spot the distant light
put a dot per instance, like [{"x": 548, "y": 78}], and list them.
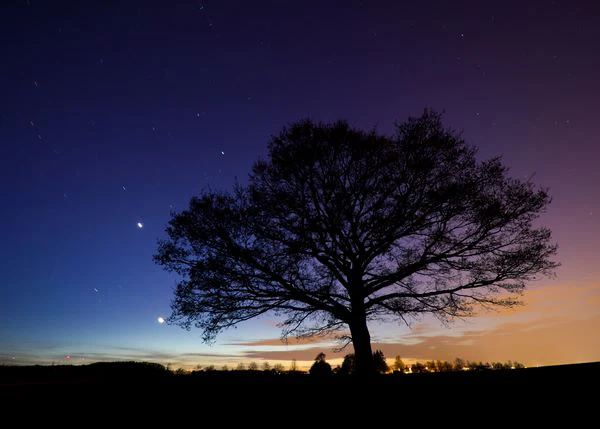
[
  {"x": 140, "y": 225},
  {"x": 222, "y": 153},
  {"x": 68, "y": 357},
  {"x": 161, "y": 320}
]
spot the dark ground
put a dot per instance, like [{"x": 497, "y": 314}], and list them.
[{"x": 570, "y": 391}]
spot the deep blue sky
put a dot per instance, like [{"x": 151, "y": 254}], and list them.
[{"x": 114, "y": 113}]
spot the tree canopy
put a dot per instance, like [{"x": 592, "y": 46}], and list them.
[
  {"x": 339, "y": 226},
  {"x": 379, "y": 362},
  {"x": 320, "y": 366}
]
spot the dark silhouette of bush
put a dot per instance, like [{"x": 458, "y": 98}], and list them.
[
  {"x": 348, "y": 365},
  {"x": 320, "y": 367}
]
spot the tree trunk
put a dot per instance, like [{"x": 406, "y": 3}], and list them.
[{"x": 361, "y": 339}]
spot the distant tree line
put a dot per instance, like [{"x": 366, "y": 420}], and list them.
[
  {"x": 321, "y": 367},
  {"x": 252, "y": 366},
  {"x": 348, "y": 365},
  {"x": 458, "y": 365}
]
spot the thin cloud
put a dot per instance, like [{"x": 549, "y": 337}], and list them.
[
  {"x": 138, "y": 354},
  {"x": 544, "y": 343},
  {"x": 279, "y": 342}
]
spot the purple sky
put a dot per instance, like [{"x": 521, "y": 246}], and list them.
[{"x": 114, "y": 113}]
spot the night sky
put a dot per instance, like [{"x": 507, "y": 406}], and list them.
[{"x": 113, "y": 114}]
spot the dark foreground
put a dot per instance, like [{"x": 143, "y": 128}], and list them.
[{"x": 119, "y": 384}]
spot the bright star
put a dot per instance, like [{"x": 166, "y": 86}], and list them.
[
  {"x": 140, "y": 225},
  {"x": 161, "y": 320}
]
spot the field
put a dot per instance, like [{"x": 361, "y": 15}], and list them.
[{"x": 151, "y": 380}]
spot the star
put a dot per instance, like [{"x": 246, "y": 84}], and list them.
[
  {"x": 161, "y": 320},
  {"x": 140, "y": 225}
]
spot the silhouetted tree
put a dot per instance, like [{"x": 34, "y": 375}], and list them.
[
  {"x": 320, "y": 367},
  {"x": 496, "y": 365},
  {"x": 431, "y": 366},
  {"x": 253, "y": 366},
  {"x": 293, "y": 366},
  {"x": 340, "y": 226},
  {"x": 278, "y": 368},
  {"x": 266, "y": 366},
  {"x": 347, "y": 365},
  {"x": 477, "y": 366},
  {"x": 399, "y": 364},
  {"x": 472, "y": 365},
  {"x": 417, "y": 367},
  {"x": 240, "y": 367},
  {"x": 445, "y": 366},
  {"x": 379, "y": 362}
]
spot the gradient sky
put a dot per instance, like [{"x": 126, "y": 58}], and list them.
[{"x": 114, "y": 113}]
